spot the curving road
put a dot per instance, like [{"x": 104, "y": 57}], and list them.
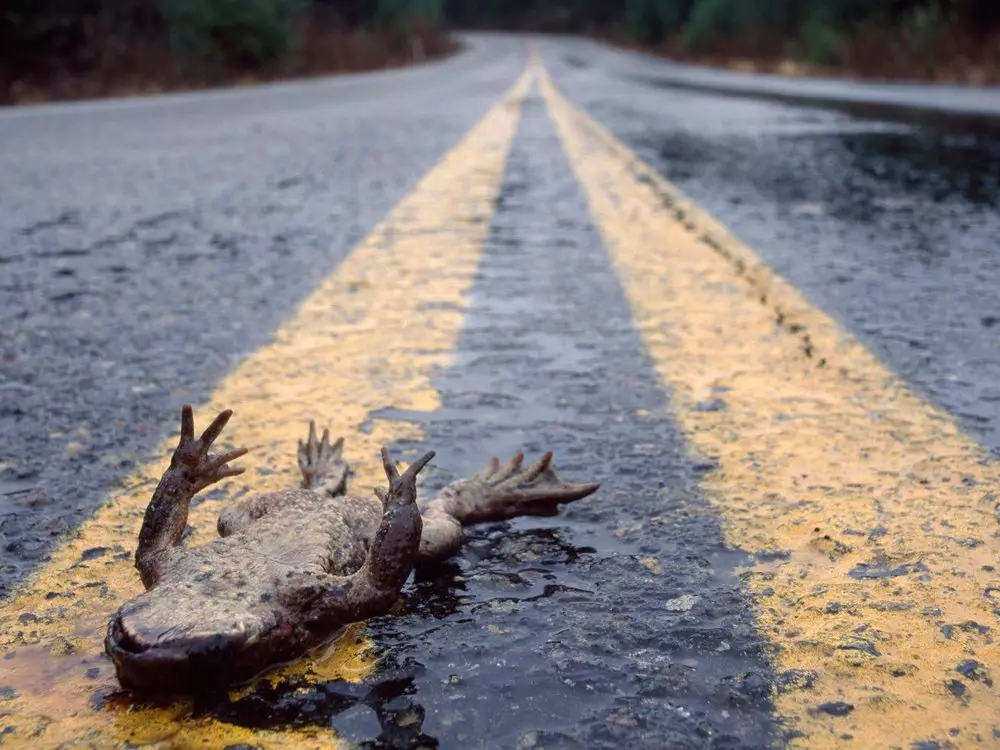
[{"x": 263, "y": 248}]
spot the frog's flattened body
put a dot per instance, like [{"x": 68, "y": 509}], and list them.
[
  {"x": 333, "y": 533},
  {"x": 291, "y": 568}
]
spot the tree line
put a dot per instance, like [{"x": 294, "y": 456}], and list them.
[
  {"x": 243, "y": 33},
  {"x": 816, "y": 30},
  {"x": 39, "y": 39}
]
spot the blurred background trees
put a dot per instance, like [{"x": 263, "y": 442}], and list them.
[
  {"x": 86, "y": 47},
  {"x": 43, "y": 43},
  {"x": 817, "y": 31}
]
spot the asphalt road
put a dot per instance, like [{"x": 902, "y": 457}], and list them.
[
  {"x": 886, "y": 221},
  {"x": 153, "y": 245}
]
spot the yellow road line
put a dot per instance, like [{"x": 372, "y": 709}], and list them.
[
  {"x": 369, "y": 337},
  {"x": 875, "y": 511}
]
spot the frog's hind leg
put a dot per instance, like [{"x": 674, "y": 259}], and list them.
[
  {"x": 497, "y": 493},
  {"x": 322, "y": 464}
]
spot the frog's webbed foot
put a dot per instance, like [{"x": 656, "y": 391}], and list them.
[
  {"x": 497, "y": 493},
  {"x": 500, "y": 492},
  {"x": 322, "y": 464}
]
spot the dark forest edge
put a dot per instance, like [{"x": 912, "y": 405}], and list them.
[
  {"x": 65, "y": 49},
  {"x": 75, "y": 49},
  {"x": 929, "y": 40}
]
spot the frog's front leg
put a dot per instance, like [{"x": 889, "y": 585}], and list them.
[
  {"x": 497, "y": 493},
  {"x": 191, "y": 470},
  {"x": 320, "y": 602}
]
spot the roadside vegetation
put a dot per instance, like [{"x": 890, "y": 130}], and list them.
[
  {"x": 60, "y": 49},
  {"x": 954, "y": 40}
]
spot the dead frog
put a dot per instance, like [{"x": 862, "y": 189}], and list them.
[{"x": 292, "y": 568}]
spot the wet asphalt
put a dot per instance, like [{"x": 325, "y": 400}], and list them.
[
  {"x": 624, "y": 612},
  {"x": 147, "y": 247},
  {"x": 146, "y": 250},
  {"x": 885, "y": 219},
  {"x": 619, "y": 622}
]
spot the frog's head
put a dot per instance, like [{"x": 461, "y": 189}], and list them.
[{"x": 182, "y": 638}]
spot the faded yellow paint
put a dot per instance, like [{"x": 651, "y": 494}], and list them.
[
  {"x": 826, "y": 462},
  {"x": 369, "y": 337}
]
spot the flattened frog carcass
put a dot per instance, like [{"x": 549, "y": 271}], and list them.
[{"x": 291, "y": 568}]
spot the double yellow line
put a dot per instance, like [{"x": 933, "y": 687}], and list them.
[{"x": 873, "y": 509}]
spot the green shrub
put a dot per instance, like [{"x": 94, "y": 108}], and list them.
[
  {"x": 820, "y": 42},
  {"x": 247, "y": 34},
  {"x": 430, "y": 11},
  {"x": 710, "y": 20},
  {"x": 398, "y": 15},
  {"x": 650, "y": 21},
  {"x": 924, "y": 26}
]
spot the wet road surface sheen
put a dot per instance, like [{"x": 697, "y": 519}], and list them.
[
  {"x": 889, "y": 225},
  {"x": 623, "y": 621},
  {"x": 867, "y": 475},
  {"x": 619, "y": 623}
]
